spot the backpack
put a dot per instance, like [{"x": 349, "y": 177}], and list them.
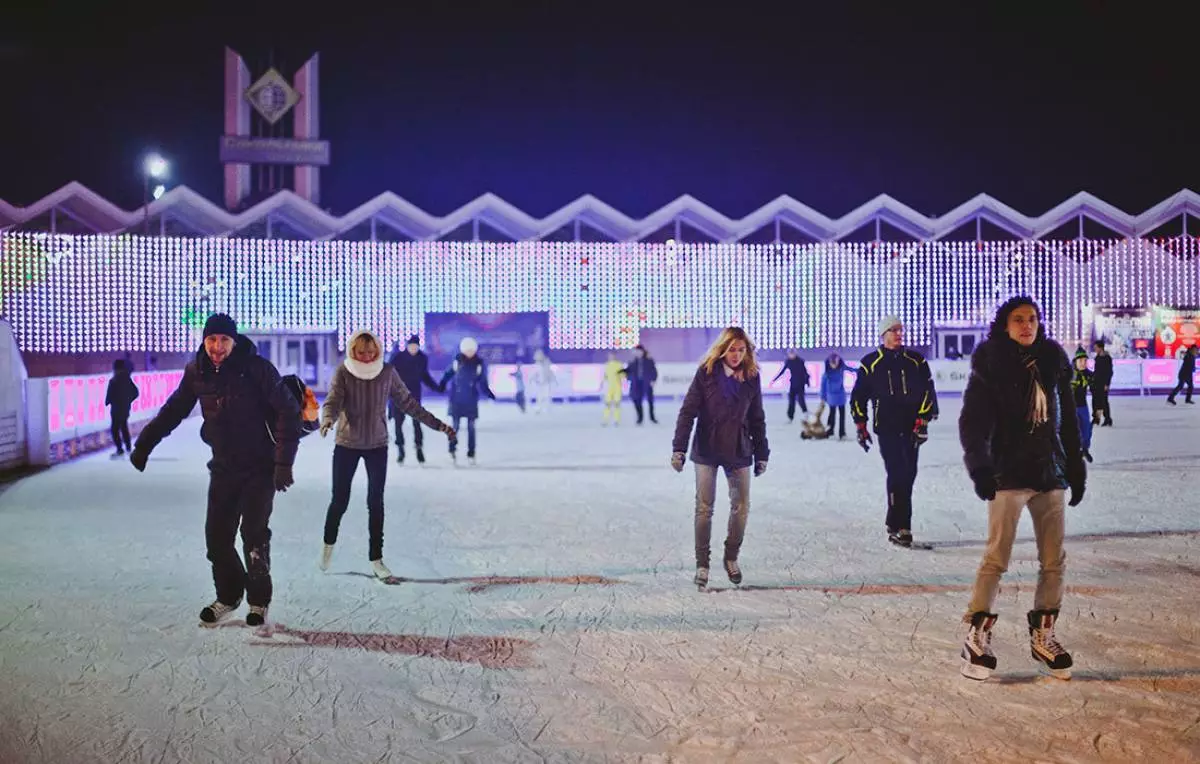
[{"x": 310, "y": 413}]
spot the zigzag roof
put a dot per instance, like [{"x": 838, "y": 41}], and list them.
[{"x": 209, "y": 219}]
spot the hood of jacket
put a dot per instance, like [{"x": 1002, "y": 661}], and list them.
[{"x": 365, "y": 371}]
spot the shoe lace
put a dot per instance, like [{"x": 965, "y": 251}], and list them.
[
  {"x": 258, "y": 609},
  {"x": 220, "y": 608},
  {"x": 1047, "y": 639},
  {"x": 731, "y": 567}
]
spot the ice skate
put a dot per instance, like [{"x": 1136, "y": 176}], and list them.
[
  {"x": 400, "y": 456},
  {"x": 420, "y": 456},
  {"x": 701, "y": 579},
  {"x": 901, "y": 538},
  {"x": 326, "y": 556},
  {"x": 733, "y": 571},
  {"x": 257, "y": 615},
  {"x": 1087, "y": 455},
  {"x": 978, "y": 660},
  {"x": 471, "y": 461},
  {"x": 217, "y": 612},
  {"x": 1044, "y": 646},
  {"x": 379, "y": 569},
  {"x": 117, "y": 455}
]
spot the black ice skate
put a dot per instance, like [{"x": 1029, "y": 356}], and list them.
[
  {"x": 978, "y": 659},
  {"x": 1044, "y": 645},
  {"x": 257, "y": 615},
  {"x": 701, "y": 579},
  {"x": 218, "y": 611},
  {"x": 901, "y": 538},
  {"x": 734, "y": 572},
  {"x": 1087, "y": 455},
  {"x": 400, "y": 458},
  {"x": 420, "y": 456}
]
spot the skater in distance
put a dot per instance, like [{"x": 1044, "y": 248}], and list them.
[
  {"x": 1021, "y": 446},
  {"x": 466, "y": 378},
  {"x": 252, "y": 422},
  {"x": 413, "y": 366},
  {"x": 359, "y": 394},
  {"x": 724, "y": 402}
]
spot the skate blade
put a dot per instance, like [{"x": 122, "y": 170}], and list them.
[
  {"x": 1063, "y": 674},
  {"x": 974, "y": 671}
]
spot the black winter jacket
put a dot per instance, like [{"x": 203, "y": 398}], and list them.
[
  {"x": 994, "y": 429},
  {"x": 901, "y": 386},
  {"x": 1103, "y": 371},
  {"x": 413, "y": 370},
  {"x": 121, "y": 394},
  {"x": 1187, "y": 369},
  {"x": 731, "y": 431},
  {"x": 799, "y": 373},
  {"x": 251, "y": 421}
]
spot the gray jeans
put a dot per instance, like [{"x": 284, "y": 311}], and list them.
[
  {"x": 739, "y": 508},
  {"x": 1004, "y": 511}
]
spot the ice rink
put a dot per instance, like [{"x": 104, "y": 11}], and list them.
[{"x": 548, "y": 612}]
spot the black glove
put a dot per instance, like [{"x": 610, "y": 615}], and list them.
[
  {"x": 985, "y": 484},
  {"x": 138, "y": 457},
  {"x": 759, "y": 468},
  {"x": 283, "y": 477},
  {"x": 864, "y": 437},
  {"x": 1077, "y": 480}
]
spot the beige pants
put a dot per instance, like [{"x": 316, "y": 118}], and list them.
[{"x": 1046, "y": 510}]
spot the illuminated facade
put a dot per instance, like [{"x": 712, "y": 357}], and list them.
[{"x": 67, "y": 293}]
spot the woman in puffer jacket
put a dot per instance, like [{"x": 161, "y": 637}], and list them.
[{"x": 358, "y": 404}]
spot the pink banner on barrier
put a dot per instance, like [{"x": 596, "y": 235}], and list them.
[{"x": 78, "y": 402}]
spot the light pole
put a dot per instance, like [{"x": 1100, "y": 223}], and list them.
[{"x": 155, "y": 167}]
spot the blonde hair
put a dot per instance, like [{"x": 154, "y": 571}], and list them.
[
  {"x": 729, "y": 335},
  {"x": 363, "y": 342}
]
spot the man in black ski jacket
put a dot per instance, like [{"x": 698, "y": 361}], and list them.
[
  {"x": 899, "y": 383},
  {"x": 1021, "y": 446},
  {"x": 642, "y": 373},
  {"x": 797, "y": 382},
  {"x": 1187, "y": 372},
  {"x": 413, "y": 366},
  {"x": 252, "y": 424},
  {"x": 1102, "y": 376}
]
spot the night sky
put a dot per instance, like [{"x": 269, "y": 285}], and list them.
[{"x": 635, "y": 103}]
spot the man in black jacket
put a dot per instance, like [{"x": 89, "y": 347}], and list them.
[
  {"x": 899, "y": 383},
  {"x": 1187, "y": 372},
  {"x": 1102, "y": 376},
  {"x": 413, "y": 366},
  {"x": 252, "y": 424},
  {"x": 1021, "y": 446},
  {"x": 642, "y": 373},
  {"x": 797, "y": 382}
]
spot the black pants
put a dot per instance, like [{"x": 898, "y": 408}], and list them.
[
  {"x": 1182, "y": 384},
  {"x": 120, "y": 431},
  {"x": 899, "y": 451},
  {"x": 244, "y": 499},
  {"x": 345, "y": 464},
  {"x": 470, "y": 435},
  {"x": 1100, "y": 404},
  {"x": 418, "y": 434},
  {"x": 637, "y": 395},
  {"x": 796, "y": 395},
  {"x": 840, "y": 411}
]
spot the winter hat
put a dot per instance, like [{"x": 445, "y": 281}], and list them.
[
  {"x": 468, "y": 346},
  {"x": 886, "y": 323},
  {"x": 1080, "y": 353},
  {"x": 220, "y": 323},
  {"x": 413, "y": 340}
]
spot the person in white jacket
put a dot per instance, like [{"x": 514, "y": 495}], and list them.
[{"x": 543, "y": 382}]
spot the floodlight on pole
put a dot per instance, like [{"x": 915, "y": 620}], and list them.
[{"x": 157, "y": 168}]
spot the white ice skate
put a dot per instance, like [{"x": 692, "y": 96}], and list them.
[
  {"x": 379, "y": 569},
  {"x": 978, "y": 660},
  {"x": 326, "y": 556}
]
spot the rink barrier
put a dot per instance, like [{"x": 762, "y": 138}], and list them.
[
  {"x": 585, "y": 381},
  {"x": 66, "y": 416}
]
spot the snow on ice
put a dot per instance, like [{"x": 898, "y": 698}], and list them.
[{"x": 542, "y": 610}]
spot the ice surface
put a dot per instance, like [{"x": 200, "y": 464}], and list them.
[{"x": 548, "y": 613}]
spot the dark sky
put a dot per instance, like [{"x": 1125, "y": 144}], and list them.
[{"x": 540, "y": 102}]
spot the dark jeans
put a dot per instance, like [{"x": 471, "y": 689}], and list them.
[
  {"x": 418, "y": 434},
  {"x": 1085, "y": 427},
  {"x": 470, "y": 435},
  {"x": 345, "y": 464},
  {"x": 796, "y": 396},
  {"x": 840, "y": 411},
  {"x": 245, "y": 499},
  {"x": 120, "y": 432},
  {"x": 1099, "y": 404},
  {"x": 1182, "y": 384},
  {"x": 648, "y": 394},
  {"x": 899, "y": 451}
]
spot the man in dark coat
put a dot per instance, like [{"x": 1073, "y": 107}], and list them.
[
  {"x": 413, "y": 367},
  {"x": 642, "y": 373},
  {"x": 252, "y": 424},
  {"x": 797, "y": 382},
  {"x": 899, "y": 383},
  {"x": 1021, "y": 446},
  {"x": 1102, "y": 376},
  {"x": 1187, "y": 372},
  {"x": 119, "y": 396}
]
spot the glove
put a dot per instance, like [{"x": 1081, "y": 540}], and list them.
[
  {"x": 921, "y": 430},
  {"x": 985, "y": 484},
  {"x": 138, "y": 457},
  {"x": 325, "y": 428},
  {"x": 759, "y": 468},
  {"x": 864, "y": 437},
  {"x": 1077, "y": 480},
  {"x": 677, "y": 461},
  {"x": 283, "y": 477}
]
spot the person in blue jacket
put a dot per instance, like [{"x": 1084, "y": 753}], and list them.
[
  {"x": 467, "y": 378},
  {"x": 833, "y": 392}
]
